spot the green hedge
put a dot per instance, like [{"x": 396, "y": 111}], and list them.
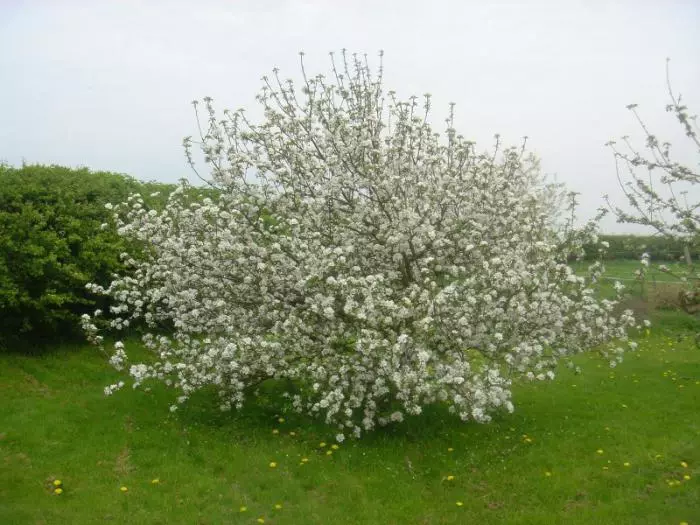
[{"x": 52, "y": 244}]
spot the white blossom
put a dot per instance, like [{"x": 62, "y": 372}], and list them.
[{"x": 356, "y": 254}]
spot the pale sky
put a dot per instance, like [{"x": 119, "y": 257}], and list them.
[{"x": 108, "y": 84}]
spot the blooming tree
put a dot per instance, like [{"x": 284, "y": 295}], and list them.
[
  {"x": 373, "y": 264},
  {"x": 656, "y": 186},
  {"x": 661, "y": 192}
]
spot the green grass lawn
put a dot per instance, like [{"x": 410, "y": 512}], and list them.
[{"x": 609, "y": 446}]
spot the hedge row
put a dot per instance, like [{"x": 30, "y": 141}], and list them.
[{"x": 52, "y": 244}]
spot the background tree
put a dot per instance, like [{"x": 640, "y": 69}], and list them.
[{"x": 662, "y": 193}]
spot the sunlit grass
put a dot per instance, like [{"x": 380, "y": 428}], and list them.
[{"x": 608, "y": 446}]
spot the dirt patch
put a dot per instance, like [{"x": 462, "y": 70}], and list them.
[
  {"x": 580, "y": 500},
  {"x": 34, "y": 385},
  {"x": 122, "y": 465},
  {"x": 659, "y": 296}
]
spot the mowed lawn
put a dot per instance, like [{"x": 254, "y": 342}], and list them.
[{"x": 608, "y": 446}]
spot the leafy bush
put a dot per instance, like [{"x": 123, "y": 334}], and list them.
[
  {"x": 52, "y": 244},
  {"x": 355, "y": 253}
]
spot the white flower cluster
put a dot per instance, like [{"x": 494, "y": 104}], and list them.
[{"x": 354, "y": 252}]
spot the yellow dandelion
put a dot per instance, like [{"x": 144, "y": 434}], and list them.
[
  {"x": 450, "y": 449},
  {"x": 624, "y": 406},
  {"x": 599, "y": 451},
  {"x": 243, "y": 509},
  {"x": 292, "y": 433},
  {"x": 304, "y": 460},
  {"x": 329, "y": 452},
  {"x": 459, "y": 504},
  {"x": 684, "y": 464},
  {"x": 605, "y": 468},
  {"x": 626, "y": 463},
  {"x": 155, "y": 481},
  {"x": 686, "y": 477},
  {"x": 57, "y": 483},
  {"x": 273, "y": 464},
  {"x": 322, "y": 444},
  {"x": 275, "y": 431},
  {"x": 278, "y": 506},
  {"x": 334, "y": 446},
  {"x": 528, "y": 440},
  {"x": 124, "y": 489},
  {"x": 261, "y": 520},
  {"x": 281, "y": 420},
  {"x": 58, "y": 491},
  {"x": 450, "y": 477},
  {"x": 684, "y": 523},
  {"x": 548, "y": 474}
]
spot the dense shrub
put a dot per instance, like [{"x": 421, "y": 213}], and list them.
[{"x": 52, "y": 244}]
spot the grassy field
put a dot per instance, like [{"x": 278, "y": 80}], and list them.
[
  {"x": 658, "y": 289},
  {"x": 609, "y": 446},
  {"x": 623, "y": 270}
]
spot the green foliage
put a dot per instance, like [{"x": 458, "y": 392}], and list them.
[{"x": 52, "y": 244}]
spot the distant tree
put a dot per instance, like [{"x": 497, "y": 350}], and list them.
[
  {"x": 657, "y": 187},
  {"x": 661, "y": 192}
]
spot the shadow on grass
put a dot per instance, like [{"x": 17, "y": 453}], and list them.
[{"x": 259, "y": 421}]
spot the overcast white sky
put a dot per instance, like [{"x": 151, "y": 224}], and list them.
[{"x": 108, "y": 84}]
